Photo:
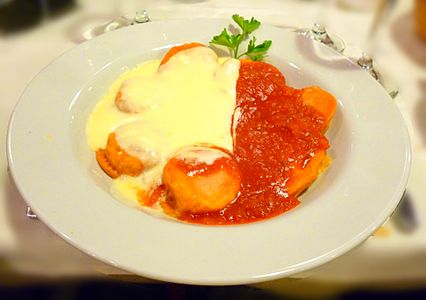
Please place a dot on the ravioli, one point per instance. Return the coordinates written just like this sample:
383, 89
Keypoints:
211, 140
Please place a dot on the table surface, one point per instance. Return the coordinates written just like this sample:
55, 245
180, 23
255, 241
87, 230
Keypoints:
391, 254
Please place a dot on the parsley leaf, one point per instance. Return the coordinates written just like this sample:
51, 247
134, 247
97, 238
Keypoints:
257, 52
233, 41
246, 25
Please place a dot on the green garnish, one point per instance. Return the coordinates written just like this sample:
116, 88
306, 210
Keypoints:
233, 41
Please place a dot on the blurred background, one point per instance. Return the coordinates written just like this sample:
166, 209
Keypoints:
37, 264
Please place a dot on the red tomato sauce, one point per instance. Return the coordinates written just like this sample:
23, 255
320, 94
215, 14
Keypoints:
275, 133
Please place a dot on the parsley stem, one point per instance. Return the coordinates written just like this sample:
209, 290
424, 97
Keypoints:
241, 55
240, 39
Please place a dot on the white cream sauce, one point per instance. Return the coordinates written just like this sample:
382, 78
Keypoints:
187, 101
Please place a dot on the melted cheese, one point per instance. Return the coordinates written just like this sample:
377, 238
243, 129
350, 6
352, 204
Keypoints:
187, 101
200, 154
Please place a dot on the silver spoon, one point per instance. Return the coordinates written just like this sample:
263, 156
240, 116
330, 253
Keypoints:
119, 22
365, 61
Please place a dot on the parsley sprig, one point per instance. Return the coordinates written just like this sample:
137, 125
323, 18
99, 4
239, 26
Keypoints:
233, 41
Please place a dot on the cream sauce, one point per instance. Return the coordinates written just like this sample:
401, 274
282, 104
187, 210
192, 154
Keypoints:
187, 101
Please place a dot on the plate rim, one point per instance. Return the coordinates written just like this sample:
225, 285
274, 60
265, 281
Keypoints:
356, 240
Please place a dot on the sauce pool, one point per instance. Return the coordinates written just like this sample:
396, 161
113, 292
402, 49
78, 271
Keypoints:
275, 133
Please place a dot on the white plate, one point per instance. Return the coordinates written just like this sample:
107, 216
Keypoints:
59, 178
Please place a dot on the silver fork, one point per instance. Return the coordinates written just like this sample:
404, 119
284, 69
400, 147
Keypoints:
405, 216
